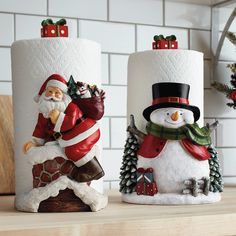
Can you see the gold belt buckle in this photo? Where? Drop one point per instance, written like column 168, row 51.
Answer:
column 173, row 99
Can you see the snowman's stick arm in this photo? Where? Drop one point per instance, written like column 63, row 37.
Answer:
column 133, row 129
column 212, row 126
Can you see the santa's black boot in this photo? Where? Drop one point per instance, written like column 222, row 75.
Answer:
column 92, row 170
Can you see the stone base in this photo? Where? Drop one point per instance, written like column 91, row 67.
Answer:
column 65, row 201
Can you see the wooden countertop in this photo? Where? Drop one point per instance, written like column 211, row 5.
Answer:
column 125, row 219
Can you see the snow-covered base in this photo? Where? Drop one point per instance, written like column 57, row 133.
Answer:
column 40, row 154
column 30, row 201
column 49, row 151
column 171, row 198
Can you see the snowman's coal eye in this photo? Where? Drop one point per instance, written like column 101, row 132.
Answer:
column 168, row 113
column 181, row 114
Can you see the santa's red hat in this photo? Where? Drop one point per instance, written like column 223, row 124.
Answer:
column 54, row 80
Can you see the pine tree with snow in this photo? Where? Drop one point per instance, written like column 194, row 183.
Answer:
column 129, row 165
column 216, row 184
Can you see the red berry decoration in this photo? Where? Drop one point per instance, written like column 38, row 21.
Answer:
column 233, row 95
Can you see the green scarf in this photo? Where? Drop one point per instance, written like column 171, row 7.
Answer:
column 200, row 136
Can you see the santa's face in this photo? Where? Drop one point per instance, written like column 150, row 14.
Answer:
column 53, row 98
column 172, row 117
column 53, row 93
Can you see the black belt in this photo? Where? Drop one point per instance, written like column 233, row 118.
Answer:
column 58, row 135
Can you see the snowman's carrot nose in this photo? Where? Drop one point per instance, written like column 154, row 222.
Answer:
column 175, row 116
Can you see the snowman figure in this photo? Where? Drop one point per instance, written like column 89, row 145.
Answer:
column 174, row 146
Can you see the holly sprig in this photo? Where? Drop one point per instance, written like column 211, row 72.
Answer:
column 167, row 38
column 229, row 91
column 49, row 21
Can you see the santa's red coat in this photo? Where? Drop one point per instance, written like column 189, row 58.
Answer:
column 152, row 147
column 78, row 135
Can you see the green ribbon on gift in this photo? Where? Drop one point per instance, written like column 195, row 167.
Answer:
column 167, row 38
column 50, row 22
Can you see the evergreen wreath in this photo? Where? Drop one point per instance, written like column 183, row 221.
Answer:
column 229, row 91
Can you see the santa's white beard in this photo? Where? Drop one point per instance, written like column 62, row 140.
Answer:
column 47, row 104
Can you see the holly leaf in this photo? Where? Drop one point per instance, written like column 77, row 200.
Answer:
column 61, row 22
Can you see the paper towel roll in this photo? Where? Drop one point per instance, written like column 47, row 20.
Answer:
column 33, row 61
column 149, row 67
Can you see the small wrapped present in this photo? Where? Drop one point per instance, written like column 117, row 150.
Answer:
column 161, row 42
column 51, row 29
column 145, row 182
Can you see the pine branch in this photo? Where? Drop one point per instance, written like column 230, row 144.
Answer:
column 223, row 88
column 232, row 105
column 231, row 37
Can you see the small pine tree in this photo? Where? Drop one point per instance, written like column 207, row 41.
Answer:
column 216, row 184
column 129, row 165
column 72, row 88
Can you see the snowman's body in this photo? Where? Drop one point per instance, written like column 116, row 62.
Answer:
column 173, row 166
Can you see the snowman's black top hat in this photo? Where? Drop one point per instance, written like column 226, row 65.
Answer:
column 170, row 95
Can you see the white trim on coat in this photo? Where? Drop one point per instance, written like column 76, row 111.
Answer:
column 59, row 122
column 88, row 157
column 80, row 137
column 58, row 84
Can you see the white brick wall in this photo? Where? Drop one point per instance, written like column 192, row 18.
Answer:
column 123, row 27
column 187, row 15
column 116, row 100
column 117, row 38
column 89, row 9
column 5, row 64
column 105, row 70
column 7, row 35
column 118, row 66
column 137, row 11
column 24, row 6
column 200, row 41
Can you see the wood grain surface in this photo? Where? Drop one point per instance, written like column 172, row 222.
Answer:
column 125, row 219
column 7, row 179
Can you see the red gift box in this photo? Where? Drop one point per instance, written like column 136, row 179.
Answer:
column 51, row 29
column 54, row 31
column 173, row 44
column 164, row 44
column 145, row 182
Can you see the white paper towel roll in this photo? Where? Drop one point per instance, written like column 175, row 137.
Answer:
column 33, row 61
column 149, row 67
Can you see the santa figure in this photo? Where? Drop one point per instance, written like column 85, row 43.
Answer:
column 61, row 121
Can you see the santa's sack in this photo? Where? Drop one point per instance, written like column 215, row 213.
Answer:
column 91, row 107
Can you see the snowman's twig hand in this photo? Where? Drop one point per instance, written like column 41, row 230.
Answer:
column 212, row 126
column 135, row 131
column 132, row 123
